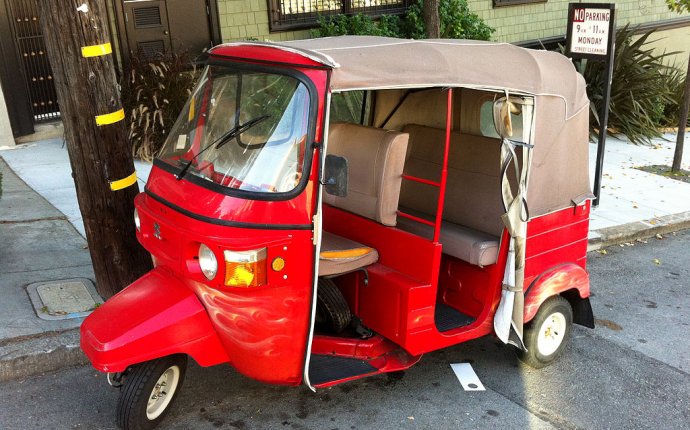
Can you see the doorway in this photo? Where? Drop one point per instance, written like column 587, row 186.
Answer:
column 153, row 27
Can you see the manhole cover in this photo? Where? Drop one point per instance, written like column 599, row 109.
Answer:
column 69, row 298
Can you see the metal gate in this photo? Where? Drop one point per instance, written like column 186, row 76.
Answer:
column 32, row 54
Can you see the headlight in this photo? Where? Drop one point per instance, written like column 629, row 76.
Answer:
column 207, row 262
column 137, row 221
column 246, row 268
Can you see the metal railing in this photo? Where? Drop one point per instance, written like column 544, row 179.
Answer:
column 299, row 14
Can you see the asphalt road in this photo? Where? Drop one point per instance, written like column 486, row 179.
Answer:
column 632, row 371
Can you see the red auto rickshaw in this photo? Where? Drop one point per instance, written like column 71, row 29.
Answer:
column 325, row 210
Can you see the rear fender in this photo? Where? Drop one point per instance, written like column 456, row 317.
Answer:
column 155, row 316
column 569, row 280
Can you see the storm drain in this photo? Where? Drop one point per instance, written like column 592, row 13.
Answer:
column 64, row 299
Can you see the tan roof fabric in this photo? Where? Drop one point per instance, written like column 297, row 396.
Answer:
column 370, row 62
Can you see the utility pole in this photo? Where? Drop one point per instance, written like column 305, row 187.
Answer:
column 78, row 47
column 682, row 124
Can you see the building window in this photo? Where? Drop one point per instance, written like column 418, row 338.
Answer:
column 499, row 3
column 298, row 14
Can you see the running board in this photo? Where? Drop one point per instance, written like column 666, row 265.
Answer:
column 330, row 368
column 337, row 360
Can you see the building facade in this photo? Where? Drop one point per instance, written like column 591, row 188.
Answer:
column 150, row 26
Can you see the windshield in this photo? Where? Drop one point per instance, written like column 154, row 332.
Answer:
column 243, row 130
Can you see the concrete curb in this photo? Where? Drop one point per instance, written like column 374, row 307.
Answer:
column 20, row 358
column 638, row 230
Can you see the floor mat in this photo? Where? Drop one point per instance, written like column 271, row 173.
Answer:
column 327, row 368
column 448, row 318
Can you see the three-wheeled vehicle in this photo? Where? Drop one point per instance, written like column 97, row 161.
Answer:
column 325, row 210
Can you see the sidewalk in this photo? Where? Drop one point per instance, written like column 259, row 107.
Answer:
column 41, row 225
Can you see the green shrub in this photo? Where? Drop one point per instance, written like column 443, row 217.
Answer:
column 640, row 88
column 153, row 94
column 675, row 80
column 457, row 22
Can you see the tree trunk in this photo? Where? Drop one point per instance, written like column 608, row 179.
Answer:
column 432, row 23
column 99, row 155
column 682, row 124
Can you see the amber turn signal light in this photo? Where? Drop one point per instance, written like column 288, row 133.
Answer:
column 245, row 268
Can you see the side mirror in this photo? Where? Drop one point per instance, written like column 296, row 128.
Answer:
column 336, row 175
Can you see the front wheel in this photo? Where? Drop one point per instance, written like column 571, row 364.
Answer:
column 148, row 391
column 547, row 334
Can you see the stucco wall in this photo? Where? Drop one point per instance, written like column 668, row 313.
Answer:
column 6, row 138
column 674, row 40
column 242, row 19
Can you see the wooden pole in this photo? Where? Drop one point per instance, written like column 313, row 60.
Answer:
column 682, row 124
column 432, row 22
column 77, row 43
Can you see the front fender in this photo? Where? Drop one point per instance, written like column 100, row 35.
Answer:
column 569, row 280
column 155, row 316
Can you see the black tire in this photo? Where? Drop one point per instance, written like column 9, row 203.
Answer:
column 559, row 313
column 139, row 385
column 332, row 311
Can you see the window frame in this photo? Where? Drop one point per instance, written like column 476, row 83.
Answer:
column 307, row 20
column 505, row 3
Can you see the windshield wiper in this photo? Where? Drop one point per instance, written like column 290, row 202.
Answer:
column 225, row 138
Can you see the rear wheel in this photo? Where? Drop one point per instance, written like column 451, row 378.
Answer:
column 332, row 311
column 148, row 391
column 547, row 334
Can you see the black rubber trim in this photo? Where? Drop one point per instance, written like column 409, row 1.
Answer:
column 308, row 155
column 223, row 222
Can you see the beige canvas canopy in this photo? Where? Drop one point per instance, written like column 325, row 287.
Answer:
column 559, row 171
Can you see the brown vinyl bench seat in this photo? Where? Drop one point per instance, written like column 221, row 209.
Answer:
column 471, row 227
column 375, row 160
column 472, row 246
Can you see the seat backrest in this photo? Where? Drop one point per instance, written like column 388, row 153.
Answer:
column 375, row 164
column 473, row 187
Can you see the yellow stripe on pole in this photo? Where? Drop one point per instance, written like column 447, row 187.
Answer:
column 110, row 118
column 124, row 183
column 96, row 50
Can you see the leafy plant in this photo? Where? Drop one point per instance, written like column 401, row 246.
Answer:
column 457, row 22
column 675, row 80
column 153, row 94
column 359, row 24
column 639, row 91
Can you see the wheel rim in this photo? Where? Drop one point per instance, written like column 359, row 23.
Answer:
column 551, row 334
column 163, row 392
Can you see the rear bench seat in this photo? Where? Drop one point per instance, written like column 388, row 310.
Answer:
column 375, row 163
column 472, row 226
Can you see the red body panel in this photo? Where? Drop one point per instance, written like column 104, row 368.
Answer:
column 263, row 331
column 153, row 317
column 555, row 281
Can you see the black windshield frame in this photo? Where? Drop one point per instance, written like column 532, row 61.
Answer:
column 309, row 144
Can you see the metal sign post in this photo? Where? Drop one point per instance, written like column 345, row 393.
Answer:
column 592, row 35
